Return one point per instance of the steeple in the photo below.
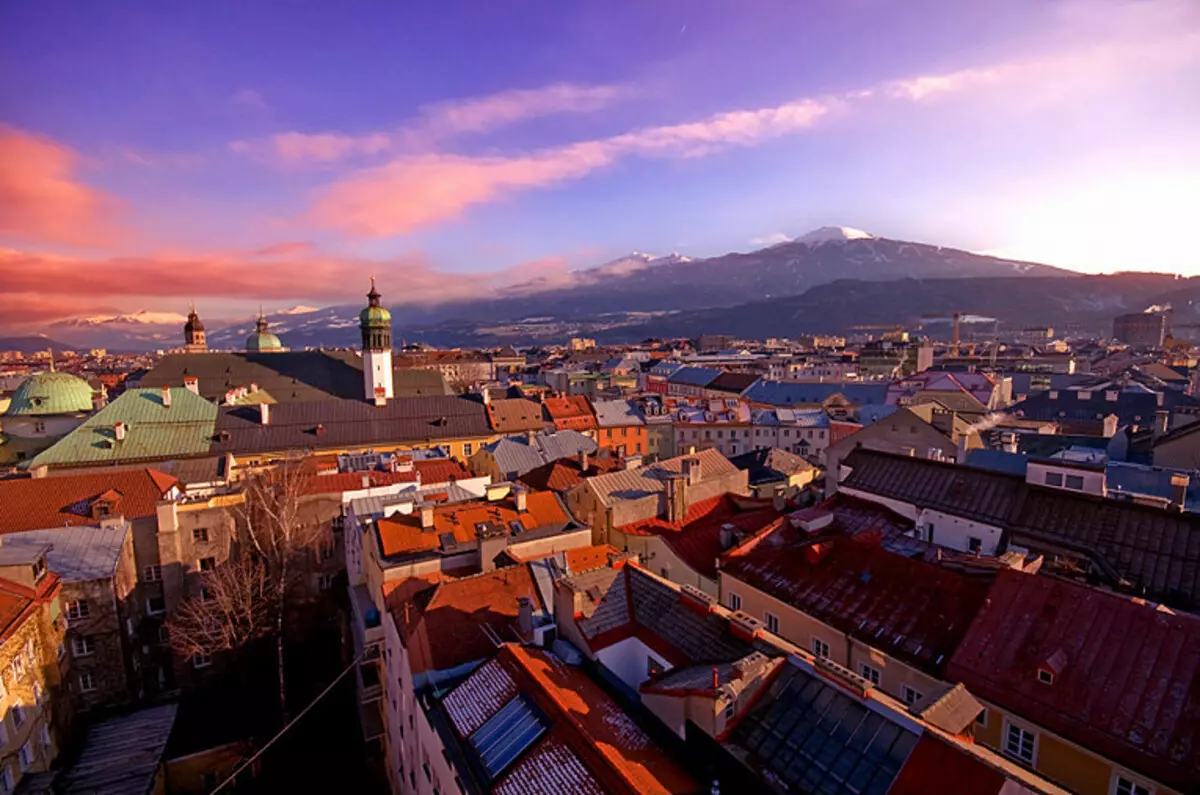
(375, 322)
(194, 338)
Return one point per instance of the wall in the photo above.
(955, 532)
(32, 688)
(658, 557)
(1093, 480)
(629, 660)
(626, 440)
(903, 432)
(1179, 453)
(186, 775)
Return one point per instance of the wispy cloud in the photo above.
(411, 192)
(434, 123)
(770, 240)
(43, 201)
(250, 99)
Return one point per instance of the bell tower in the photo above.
(194, 340)
(376, 325)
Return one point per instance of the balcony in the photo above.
(366, 624)
(372, 684)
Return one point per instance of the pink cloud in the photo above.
(435, 122)
(412, 192)
(42, 201)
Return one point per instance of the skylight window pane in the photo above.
(506, 735)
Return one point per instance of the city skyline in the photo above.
(233, 155)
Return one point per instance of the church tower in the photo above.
(194, 340)
(376, 325)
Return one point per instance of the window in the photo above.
(201, 660)
(1126, 786)
(731, 708)
(18, 715)
(981, 719)
(772, 622)
(26, 756)
(1054, 479)
(820, 647)
(327, 551)
(39, 569)
(87, 682)
(1075, 482)
(44, 736)
(735, 601)
(6, 779)
(1045, 677)
(870, 673)
(1019, 744)
(208, 564)
(325, 582)
(974, 544)
(152, 573)
(83, 645)
(18, 667)
(156, 605)
(39, 426)
(207, 595)
(653, 667)
(200, 534)
(911, 696)
(30, 653)
(77, 610)
(164, 634)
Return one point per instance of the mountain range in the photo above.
(830, 279)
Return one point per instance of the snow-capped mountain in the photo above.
(636, 284)
(142, 317)
(833, 234)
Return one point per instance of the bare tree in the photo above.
(245, 598)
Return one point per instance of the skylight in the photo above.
(506, 735)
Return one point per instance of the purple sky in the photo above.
(234, 152)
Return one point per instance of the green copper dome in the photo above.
(51, 393)
(262, 340)
(374, 316)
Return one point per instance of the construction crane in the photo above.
(956, 331)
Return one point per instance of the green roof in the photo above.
(51, 393)
(261, 341)
(374, 316)
(152, 430)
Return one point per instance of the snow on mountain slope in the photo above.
(833, 234)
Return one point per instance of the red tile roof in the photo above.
(441, 471)
(12, 613)
(564, 474)
(573, 412)
(60, 500)
(584, 558)
(444, 620)
(697, 539)
(903, 606)
(402, 534)
(936, 766)
(352, 481)
(620, 756)
(840, 430)
(1128, 680)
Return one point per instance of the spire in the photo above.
(261, 325)
(373, 296)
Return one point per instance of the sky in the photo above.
(234, 154)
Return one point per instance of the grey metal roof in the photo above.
(617, 413)
(290, 376)
(694, 376)
(796, 393)
(516, 455)
(76, 554)
(121, 755)
(644, 481)
(339, 423)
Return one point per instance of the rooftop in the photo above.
(65, 500)
(78, 553)
(633, 484)
(617, 413)
(121, 755)
(516, 415)
(580, 740)
(770, 465)
(1125, 675)
(565, 473)
(45, 394)
(516, 455)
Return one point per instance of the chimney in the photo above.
(520, 497)
(716, 680)
(1179, 487)
(525, 616)
(119, 431)
(691, 471)
(264, 413)
(366, 481)
(191, 384)
(380, 396)
(166, 396)
(426, 509)
(487, 396)
(583, 460)
(963, 439)
(676, 488)
(779, 500)
(530, 435)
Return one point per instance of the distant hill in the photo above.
(1085, 303)
(32, 344)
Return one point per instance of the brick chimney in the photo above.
(691, 471)
(676, 493)
(426, 509)
(520, 498)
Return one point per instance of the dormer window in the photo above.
(39, 569)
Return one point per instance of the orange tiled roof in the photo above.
(614, 748)
(403, 535)
(570, 412)
(39, 503)
(444, 619)
(441, 471)
(12, 609)
(585, 558)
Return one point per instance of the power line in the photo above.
(233, 776)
